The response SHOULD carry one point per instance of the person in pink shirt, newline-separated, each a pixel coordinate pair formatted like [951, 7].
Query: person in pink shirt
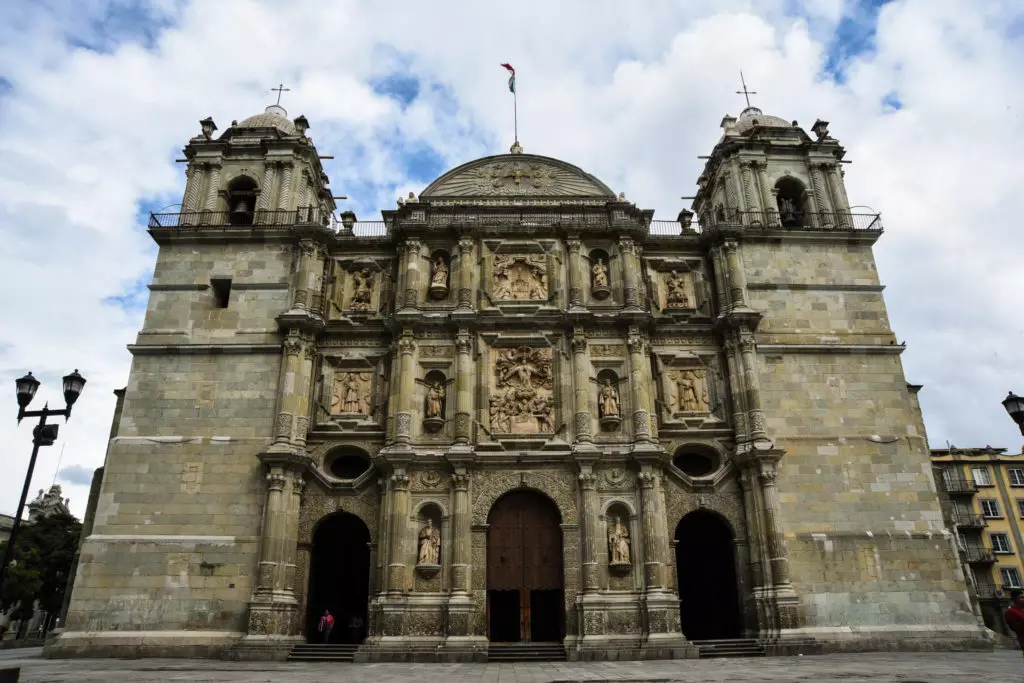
[327, 625]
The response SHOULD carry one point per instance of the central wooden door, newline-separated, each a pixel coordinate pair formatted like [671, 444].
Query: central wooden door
[524, 569]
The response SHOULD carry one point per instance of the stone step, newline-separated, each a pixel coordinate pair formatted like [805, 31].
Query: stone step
[730, 647]
[526, 652]
[312, 652]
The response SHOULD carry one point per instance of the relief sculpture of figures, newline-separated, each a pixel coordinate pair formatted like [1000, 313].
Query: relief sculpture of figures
[676, 285]
[691, 392]
[608, 406]
[430, 544]
[618, 543]
[351, 393]
[519, 278]
[362, 290]
[522, 400]
[435, 399]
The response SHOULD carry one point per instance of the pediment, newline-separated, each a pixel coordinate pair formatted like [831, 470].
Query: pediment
[517, 175]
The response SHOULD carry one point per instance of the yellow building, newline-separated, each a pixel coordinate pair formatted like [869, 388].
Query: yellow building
[984, 505]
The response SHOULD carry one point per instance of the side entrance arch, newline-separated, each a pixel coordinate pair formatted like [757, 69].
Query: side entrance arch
[709, 604]
[339, 578]
[525, 584]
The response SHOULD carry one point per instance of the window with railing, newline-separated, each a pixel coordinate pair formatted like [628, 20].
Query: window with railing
[1000, 543]
[990, 508]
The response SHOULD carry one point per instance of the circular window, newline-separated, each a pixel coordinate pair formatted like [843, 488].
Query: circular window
[349, 466]
[695, 464]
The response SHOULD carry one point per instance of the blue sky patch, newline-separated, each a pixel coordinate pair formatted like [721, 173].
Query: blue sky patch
[132, 300]
[891, 102]
[854, 36]
[401, 87]
[123, 21]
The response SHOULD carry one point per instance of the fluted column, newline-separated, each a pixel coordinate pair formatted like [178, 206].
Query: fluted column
[837, 191]
[399, 527]
[466, 267]
[654, 542]
[463, 386]
[737, 278]
[212, 187]
[591, 534]
[739, 393]
[194, 179]
[771, 216]
[748, 485]
[291, 530]
[410, 299]
[284, 194]
[582, 422]
[303, 282]
[576, 298]
[461, 533]
[773, 534]
[721, 288]
[267, 577]
[631, 272]
[749, 196]
[641, 392]
[288, 402]
[755, 414]
[263, 202]
[406, 389]
[302, 394]
[821, 198]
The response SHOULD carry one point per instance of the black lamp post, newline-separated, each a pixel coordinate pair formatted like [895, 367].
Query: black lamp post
[1014, 405]
[42, 435]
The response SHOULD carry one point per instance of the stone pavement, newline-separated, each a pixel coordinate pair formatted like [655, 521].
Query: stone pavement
[941, 667]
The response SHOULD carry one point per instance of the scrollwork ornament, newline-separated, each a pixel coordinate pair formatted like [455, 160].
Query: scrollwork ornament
[310, 352]
[465, 297]
[582, 424]
[641, 423]
[308, 248]
[627, 246]
[403, 425]
[635, 344]
[575, 245]
[462, 424]
[302, 426]
[757, 422]
[409, 299]
[466, 246]
[463, 343]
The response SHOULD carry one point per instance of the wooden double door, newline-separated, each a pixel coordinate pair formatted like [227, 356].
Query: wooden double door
[525, 589]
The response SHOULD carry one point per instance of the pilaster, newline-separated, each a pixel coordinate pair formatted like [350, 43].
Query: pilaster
[397, 581]
[631, 273]
[406, 389]
[589, 526]
[464, 381]
[582, 420]
[466, 267]
[639, 385]
[576, 279]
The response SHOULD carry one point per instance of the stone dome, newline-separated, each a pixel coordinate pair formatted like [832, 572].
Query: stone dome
[752, 116]
[274, 117]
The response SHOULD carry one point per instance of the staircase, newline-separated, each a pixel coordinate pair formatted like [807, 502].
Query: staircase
[738, 647]
[526, 652]
[311, 652]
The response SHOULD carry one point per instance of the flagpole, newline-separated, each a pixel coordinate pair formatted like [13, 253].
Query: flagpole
[515, 112]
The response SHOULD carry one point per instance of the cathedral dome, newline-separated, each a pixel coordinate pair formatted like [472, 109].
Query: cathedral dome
[275, 116]
[752, 116]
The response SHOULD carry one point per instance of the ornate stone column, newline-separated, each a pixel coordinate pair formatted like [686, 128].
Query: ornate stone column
[821, 198]
[462, 533]
[263, 203]
[737, 278]
[576, 298]
[466, 267]
[410, 299]
[290, 386]
[407, 388]
[654, 542]
[776, 550]
[212, 187]
[463, 387]
[630, 272]
[582, 422]
[755, 414]
[267, 577]
[304, 278]
[641, 392]
[302, 412]
[291, 528]
[733, 191]
[837, 192]
[771, 216]
[589, 523]
[194, 179]
[397, 582]
[739, 393]
[721, 288]
[758, 560]
[749, 196]
[284, 194]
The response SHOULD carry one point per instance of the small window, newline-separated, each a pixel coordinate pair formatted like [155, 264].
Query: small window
[1010, 576]
[1020, 506]
[221, 291]
[981, 475]
[948, 477]
[961, 541]
[1001, 543]
[990, 508]
[1016, 476]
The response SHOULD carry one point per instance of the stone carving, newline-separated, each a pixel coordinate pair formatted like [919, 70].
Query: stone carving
[524, 175]
[618, 543]
[488, 487]
[606, 350]
[676, 296]
[439, 278]
[599, 282]
[429, 544]
[608, 405]
[362, 290]
[436, 352]
[691, 390]
[520, 278]
[351, 394]
[435, 399]
[521, 402]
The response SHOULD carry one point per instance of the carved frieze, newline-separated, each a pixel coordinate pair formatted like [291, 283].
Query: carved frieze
[607, 350]
[519, 277]
[521, 398]
[437, 352]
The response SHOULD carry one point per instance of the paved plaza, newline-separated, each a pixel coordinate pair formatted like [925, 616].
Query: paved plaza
[1001, 666]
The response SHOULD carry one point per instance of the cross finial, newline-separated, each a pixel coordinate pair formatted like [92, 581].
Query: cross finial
[280, 89]
[746, 93]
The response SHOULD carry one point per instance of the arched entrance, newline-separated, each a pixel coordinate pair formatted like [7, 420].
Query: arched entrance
[709, 605]
[339, 578]
[525, 596]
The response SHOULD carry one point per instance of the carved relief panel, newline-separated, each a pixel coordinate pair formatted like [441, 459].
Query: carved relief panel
[521, 391]
[351, 393]
[519, 277]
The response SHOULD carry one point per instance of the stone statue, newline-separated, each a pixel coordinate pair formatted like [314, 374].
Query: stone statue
[439, 274]
[352, 402]
[691, 394]
[618, 543]
[608, 405]
[676, 285]
[787, 211]
[435, 399]
[362, 289]
[430, 544]
[600, 273]
[522, 400]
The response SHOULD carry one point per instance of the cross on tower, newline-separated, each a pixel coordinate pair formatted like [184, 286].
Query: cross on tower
[746, 93]
[280, 89]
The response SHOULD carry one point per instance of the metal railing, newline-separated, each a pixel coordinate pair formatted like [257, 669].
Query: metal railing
[672, 228]
[960, 485]
[978, 555]
[969, 520]
[264, 218]
[842, 221]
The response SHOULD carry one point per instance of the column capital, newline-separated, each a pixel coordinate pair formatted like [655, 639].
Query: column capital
[276, 479]
[460, 481]
[293, 345]
[407, 343]
[588, 480]
[647, 479]
[400, 481]
[575, 244]
[463, 341]
[579, 343]
[636, 343]
[466, 244]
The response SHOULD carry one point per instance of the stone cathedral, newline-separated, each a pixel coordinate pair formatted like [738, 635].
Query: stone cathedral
[517, 410]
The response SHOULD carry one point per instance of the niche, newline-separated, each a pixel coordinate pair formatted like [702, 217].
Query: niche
[434, 400]
[440, 275]
[600, 274]
[620, 544]
[609, 406]
[242, 193]
[428, 540]
[789, 195]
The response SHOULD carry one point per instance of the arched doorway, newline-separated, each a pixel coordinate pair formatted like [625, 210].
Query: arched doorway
[709, 606]
[339, 578]
[525, 591]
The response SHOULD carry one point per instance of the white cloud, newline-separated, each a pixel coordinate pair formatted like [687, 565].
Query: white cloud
[632, 96]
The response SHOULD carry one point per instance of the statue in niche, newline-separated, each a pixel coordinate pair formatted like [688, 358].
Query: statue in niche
[351, 394]
[618, 543]
[600, 273]
[608, 405]
[691, 392]
[676, 286]
[520, 278]
[362, 289]
[435, 399]
[788, 211]
[439, 273]
[430, 544]
[522, 400]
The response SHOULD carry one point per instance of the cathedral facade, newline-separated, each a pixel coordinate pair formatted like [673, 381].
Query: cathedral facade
[517, 409]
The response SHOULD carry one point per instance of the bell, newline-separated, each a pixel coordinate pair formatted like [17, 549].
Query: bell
[240, 214]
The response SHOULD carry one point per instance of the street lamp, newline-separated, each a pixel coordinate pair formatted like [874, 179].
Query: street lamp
[1014, 405]
[42, 435]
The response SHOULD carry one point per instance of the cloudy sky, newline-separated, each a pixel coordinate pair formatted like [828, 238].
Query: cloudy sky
[97, 98]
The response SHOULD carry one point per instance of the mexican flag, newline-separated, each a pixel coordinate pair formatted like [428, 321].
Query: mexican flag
[511, 78]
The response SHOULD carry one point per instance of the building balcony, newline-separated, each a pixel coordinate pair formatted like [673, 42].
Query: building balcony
[978, 555]
[838, 221]
[197, 220]
[960, 486]
[988, 592]
[969, 520]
